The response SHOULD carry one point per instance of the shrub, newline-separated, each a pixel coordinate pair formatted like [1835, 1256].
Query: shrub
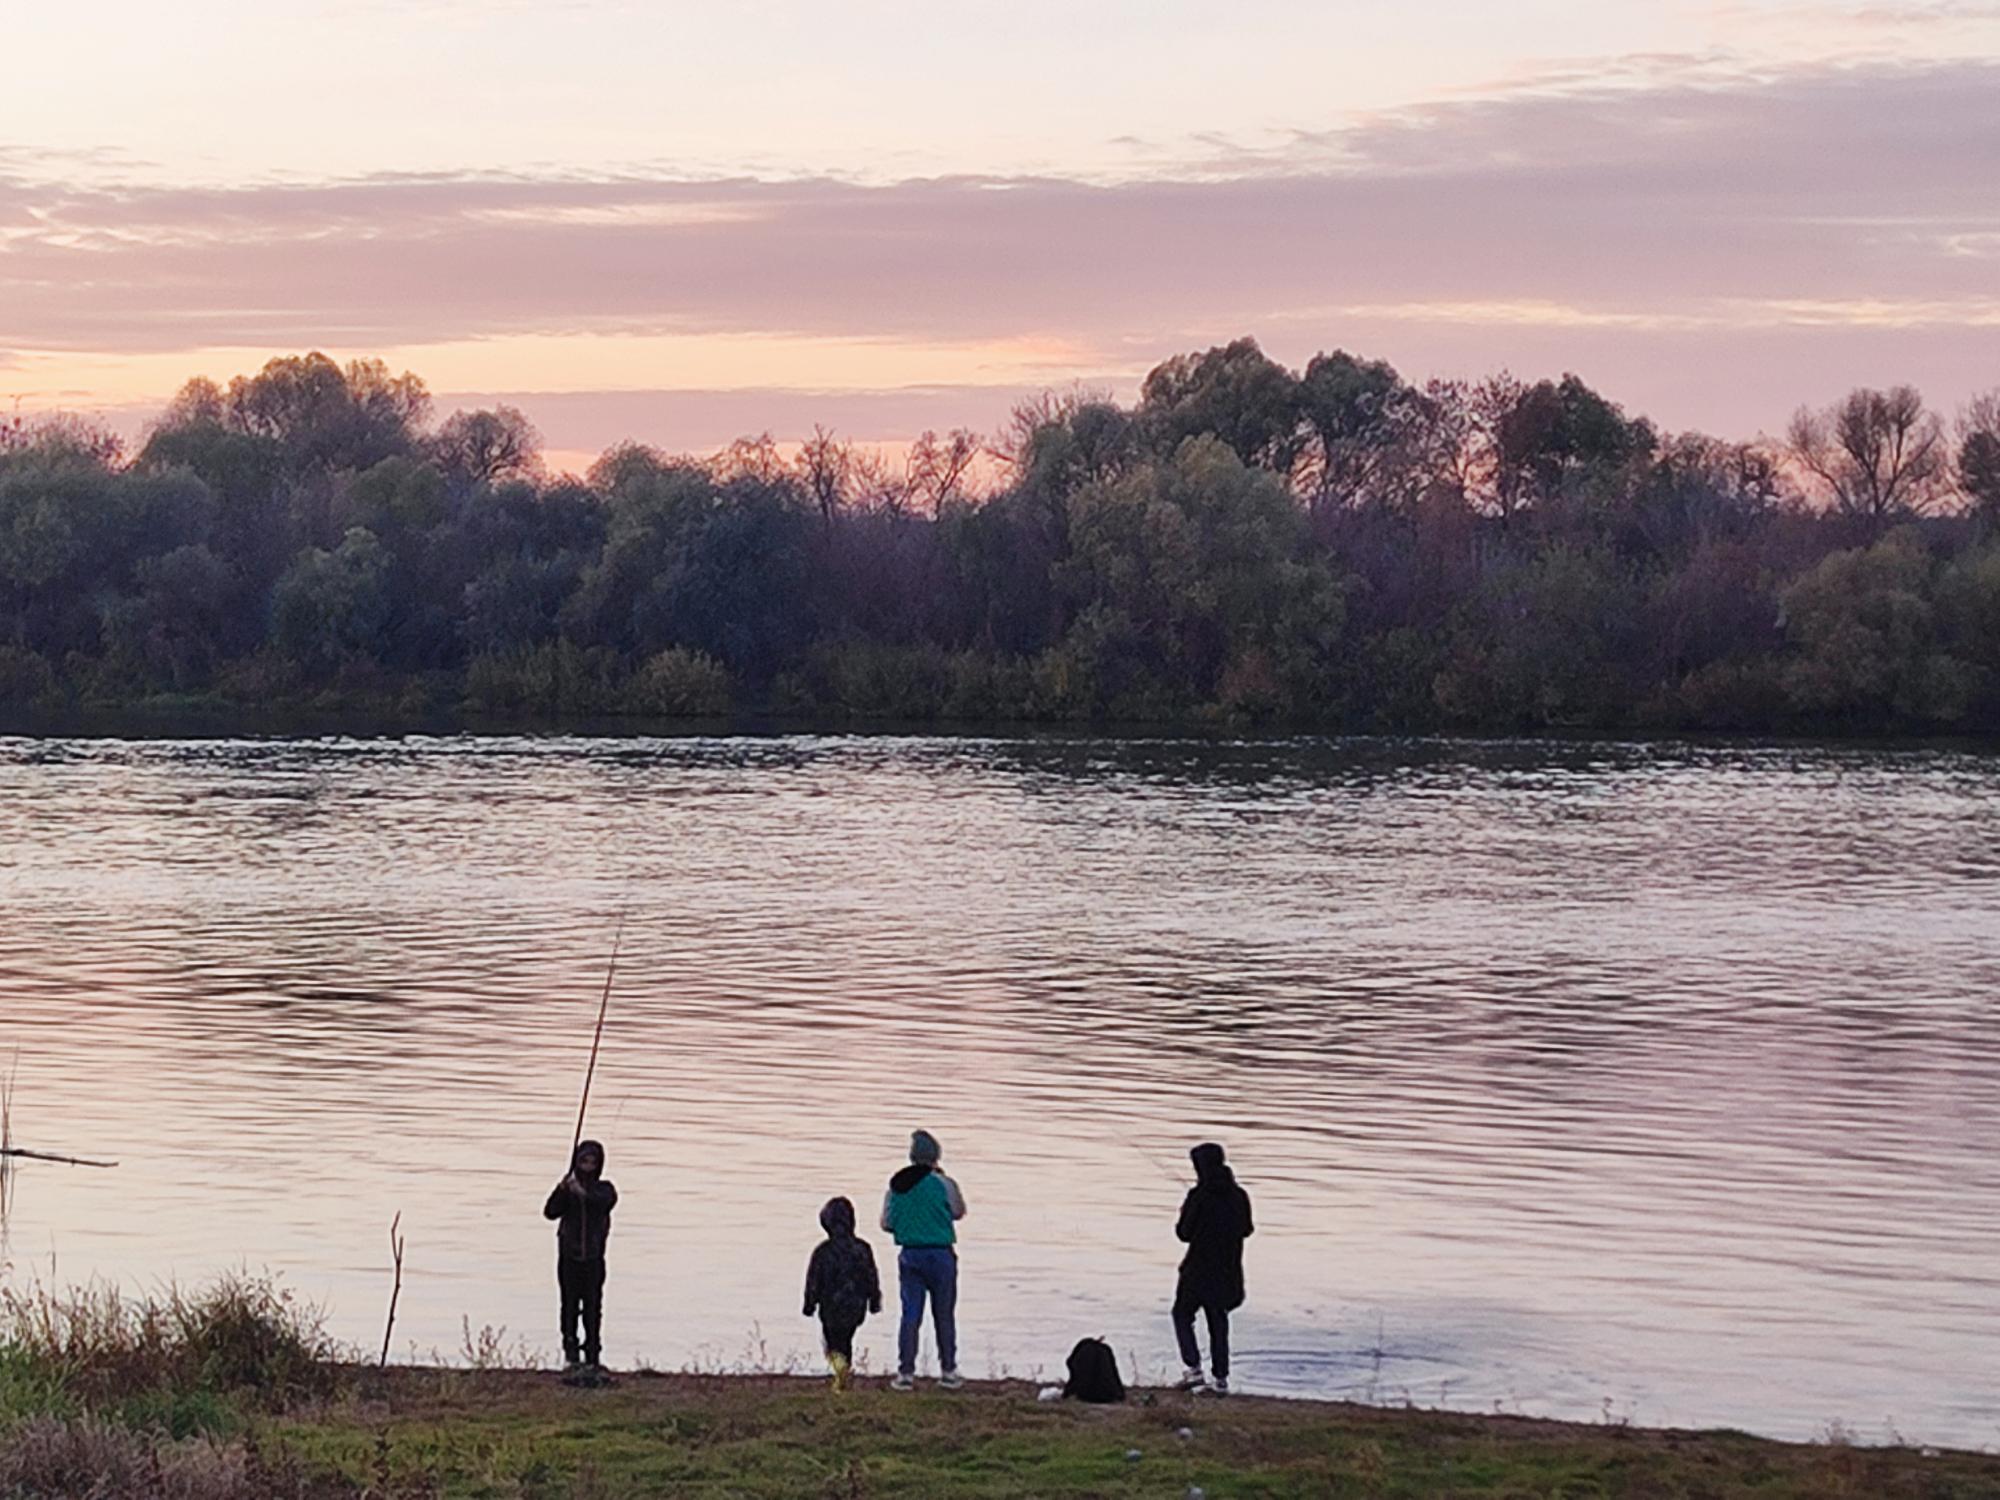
[240, 1338]
[680, 683]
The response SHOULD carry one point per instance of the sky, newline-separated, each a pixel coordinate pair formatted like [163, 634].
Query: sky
[684, 224]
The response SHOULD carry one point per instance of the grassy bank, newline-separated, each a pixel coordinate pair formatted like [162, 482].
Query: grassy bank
[234, 1395]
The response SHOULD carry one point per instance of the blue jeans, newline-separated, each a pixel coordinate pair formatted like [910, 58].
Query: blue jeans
[927, 1270]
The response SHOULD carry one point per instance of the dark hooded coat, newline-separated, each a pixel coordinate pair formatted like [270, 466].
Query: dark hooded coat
[583, 1220]
[1214, 1223]
[841, 1284]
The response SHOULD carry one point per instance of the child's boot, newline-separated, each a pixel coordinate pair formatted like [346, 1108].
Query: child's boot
[840, 1370]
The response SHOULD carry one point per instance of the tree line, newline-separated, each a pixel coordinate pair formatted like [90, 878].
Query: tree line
[1334, 548]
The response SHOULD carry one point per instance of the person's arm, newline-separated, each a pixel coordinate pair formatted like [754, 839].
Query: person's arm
[888, 1218]
[558, 1201]
[953, 1198]
[607, 1196]
[812, 1281]
[1184, 1225]
[1248, 1227]
[874, 1281]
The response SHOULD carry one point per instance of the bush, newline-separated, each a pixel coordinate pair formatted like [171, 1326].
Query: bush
[558, 678]
[162, 1358]
[679, 683]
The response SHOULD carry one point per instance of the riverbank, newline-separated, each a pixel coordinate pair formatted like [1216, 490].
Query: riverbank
[452, 1433]
[235, 1392]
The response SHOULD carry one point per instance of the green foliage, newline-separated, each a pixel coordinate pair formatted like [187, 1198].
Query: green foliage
[1865, 639]
[680, 683]
[331, 607]
[1334, 549]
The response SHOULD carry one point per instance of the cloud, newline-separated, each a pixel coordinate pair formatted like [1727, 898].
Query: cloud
[1683, 212]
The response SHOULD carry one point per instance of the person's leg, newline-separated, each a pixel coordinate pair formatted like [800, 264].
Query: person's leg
[1183, 1315]
[944, 1307]
[838, 1336]
[911, 1282]
[593, 1311]
[572, 1304]
[1218, 1339]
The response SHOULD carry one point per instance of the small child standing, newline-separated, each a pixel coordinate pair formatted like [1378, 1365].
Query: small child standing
[841, 1286]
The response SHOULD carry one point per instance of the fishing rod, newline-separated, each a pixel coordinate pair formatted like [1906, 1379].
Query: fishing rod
[603, 1008]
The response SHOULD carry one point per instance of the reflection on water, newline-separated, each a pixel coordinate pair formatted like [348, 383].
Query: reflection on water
[1656, 1076]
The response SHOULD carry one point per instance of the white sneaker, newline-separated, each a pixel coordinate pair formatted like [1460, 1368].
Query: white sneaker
[903, 1382]
[1217, 1387]
[1191, 1379]
[950, 1380]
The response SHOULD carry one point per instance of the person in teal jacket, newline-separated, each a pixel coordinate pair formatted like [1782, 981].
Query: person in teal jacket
[921, 1210]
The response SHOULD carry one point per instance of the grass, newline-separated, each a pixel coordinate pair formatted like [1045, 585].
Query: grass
[434, 1433]
[233, 1393]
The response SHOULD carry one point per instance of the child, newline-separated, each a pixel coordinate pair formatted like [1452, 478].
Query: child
[841, 1286]
[581, 1205]
[1214, 1223]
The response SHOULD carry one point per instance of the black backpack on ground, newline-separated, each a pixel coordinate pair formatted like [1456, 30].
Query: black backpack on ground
[1093, 1373]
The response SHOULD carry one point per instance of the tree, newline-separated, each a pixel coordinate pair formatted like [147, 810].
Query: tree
[484, 447]
[1547, 439]
[1359, 413]
[1864, 638]
[1877, 455]
[1198, 565]
[938, 467]
[1233, 393]
[331, 607]
[322, 416]
[1979, 458]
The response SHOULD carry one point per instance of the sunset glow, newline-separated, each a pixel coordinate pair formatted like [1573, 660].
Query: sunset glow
[1710, 210]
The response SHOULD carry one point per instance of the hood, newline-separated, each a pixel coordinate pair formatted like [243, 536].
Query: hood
[837, 1219]
[909, 1177]
[576, 1160]
[1209, 1167]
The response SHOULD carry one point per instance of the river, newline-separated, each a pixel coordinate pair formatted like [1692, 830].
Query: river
[1656, 1082]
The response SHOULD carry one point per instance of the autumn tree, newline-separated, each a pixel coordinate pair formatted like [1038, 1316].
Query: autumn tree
[1875, 455]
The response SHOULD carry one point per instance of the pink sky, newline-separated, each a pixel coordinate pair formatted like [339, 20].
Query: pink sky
[1713, 212]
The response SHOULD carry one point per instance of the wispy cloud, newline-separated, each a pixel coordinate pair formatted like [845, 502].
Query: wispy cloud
[1685, 213]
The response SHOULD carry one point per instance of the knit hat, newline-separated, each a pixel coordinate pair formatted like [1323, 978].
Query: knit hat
[924, 1148]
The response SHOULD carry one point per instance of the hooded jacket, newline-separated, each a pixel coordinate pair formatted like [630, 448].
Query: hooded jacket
[583, 1220]
[841, 1284]
[1214, 1223]
[922, 1207]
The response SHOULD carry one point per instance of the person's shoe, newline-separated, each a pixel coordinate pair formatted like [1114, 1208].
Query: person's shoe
[572, 1368]
[1191, 1379]
[903, 1381]
[1217, 1387]
[840, 1369]
[950, 1380]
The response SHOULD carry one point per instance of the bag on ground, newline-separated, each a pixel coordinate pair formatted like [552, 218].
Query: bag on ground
[1093, 1373]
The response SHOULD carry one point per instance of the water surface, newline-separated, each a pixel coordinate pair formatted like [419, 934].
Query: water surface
[1657, 1081]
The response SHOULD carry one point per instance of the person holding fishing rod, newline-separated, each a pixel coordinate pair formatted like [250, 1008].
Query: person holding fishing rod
[581, 1206]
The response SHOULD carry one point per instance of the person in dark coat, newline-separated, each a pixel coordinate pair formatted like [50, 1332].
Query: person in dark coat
[841, 1286]
[581, 1206]
[1214, 1223]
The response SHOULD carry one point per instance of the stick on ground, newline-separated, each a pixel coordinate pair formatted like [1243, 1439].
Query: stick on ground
[395, 1291]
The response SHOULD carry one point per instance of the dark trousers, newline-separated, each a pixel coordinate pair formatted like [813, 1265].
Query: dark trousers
[582, 1283]
[837, 1332]
[1186, 1305]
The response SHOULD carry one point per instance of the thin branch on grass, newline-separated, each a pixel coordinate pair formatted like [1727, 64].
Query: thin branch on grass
[395, 1291]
